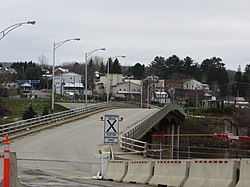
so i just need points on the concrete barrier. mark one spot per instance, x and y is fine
(14, 181)
(170, 172)
(244, 173)
(117, 170)
(213, 173)
(140, 171)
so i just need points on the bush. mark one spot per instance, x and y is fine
(45, 111)
(29, 113)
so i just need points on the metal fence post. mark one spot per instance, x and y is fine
(145, 154)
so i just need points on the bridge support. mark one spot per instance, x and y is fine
(165, 146)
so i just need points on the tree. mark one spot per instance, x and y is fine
(246, 80)
(27, 70)
(91, 73)
(174, 67)
(102, 68)
(29, 113)
(138, 71)
(5, 77)
(42, 59)
(240, 86)
(190, 69)
(116, 67)
(157, 67)
(109, 64)
(214, 73)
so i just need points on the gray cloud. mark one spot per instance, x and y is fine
(139, 29)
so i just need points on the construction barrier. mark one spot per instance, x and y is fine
(244, 173)
(6, 174)
(170, 172)
(13, 178)
(117, 170)
(140, 171)
(213, 173)
(1, 166)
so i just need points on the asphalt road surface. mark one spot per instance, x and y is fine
(65, 155)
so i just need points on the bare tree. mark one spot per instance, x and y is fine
(42, 59)
(5, 77)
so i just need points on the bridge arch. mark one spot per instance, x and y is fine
(166, 131)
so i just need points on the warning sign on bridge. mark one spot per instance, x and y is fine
(111, 129)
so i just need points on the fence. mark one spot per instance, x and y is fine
(24, 125)
(161, 151)
(129, 141)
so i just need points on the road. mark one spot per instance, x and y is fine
(65, 155)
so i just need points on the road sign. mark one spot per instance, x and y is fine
(111, 129)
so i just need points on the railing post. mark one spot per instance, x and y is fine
(145, 154)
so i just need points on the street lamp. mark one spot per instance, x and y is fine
(108, 81)
(55, 46)
(12, 27)
(86, 72)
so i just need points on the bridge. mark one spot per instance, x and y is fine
(44, 147)
(63, 149)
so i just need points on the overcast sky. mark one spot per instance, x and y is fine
(139, 29)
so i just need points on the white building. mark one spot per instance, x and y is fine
(195, 85)
(68, 82)
(160, 97)
(118, 86)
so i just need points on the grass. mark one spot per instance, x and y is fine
(16, 107)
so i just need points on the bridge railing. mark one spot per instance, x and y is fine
(25, 125)
(129, 139)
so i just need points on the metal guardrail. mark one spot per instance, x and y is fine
(24, 125)
(129, 139)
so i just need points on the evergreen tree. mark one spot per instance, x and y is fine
(110, 65)
(214, 73)
(174, 67)
(116, 68)
(246, 80)
(102, 68)
(240, 84)
(138, 71)
(158, 67)
(29, 113)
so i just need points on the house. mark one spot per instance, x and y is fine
(68, 82)
(118, 87)
(59, 71)
(193, 84)
(7, 70)
(160, 97)
(126, 90)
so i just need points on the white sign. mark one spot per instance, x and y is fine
(111, 129)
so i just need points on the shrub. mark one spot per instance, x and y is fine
(29, 113)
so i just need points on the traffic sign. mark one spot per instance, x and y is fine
(111, 129)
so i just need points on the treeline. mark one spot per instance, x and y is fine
(211, 71)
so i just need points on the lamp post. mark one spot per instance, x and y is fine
(12, 27)
(108, 79)
(55, 46)
(86, 72)
(141, 91)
